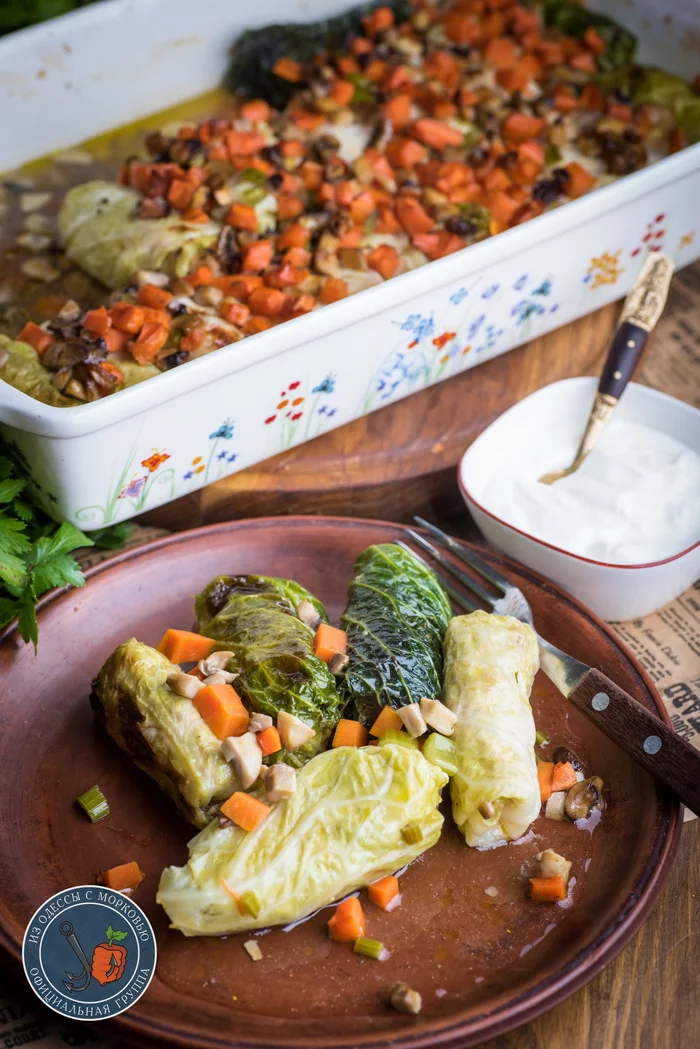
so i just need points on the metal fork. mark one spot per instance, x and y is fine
(643, 735)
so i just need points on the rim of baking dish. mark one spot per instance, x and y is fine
(26, 413)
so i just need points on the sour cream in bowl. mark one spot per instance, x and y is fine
(623, 532)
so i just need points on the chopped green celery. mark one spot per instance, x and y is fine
(250, 903)
(440, 751)
(254, 196)
(472, 137)
(541, 739)
(552, 154)
(371, 949)
(403, 739)
(94, 804)
(254, 175)
(412, 833)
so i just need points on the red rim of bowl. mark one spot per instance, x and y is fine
(491, 1023)
(466, 494)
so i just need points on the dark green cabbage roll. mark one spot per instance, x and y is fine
(161, 731)
(395, 620)
(256, 618)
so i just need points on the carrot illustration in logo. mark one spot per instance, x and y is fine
(109, 959)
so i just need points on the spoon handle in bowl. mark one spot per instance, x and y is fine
(643, 735)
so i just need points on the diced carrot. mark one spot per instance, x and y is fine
(125, 876)
(461, 27)
(96, 321)
(398, 110)
(256, 111)
(360, 45)
(347, 65)
(362, 206)
(619, 111)
(501, 205)
(242, 216)
(501, 52)
(548, 890)
(374, 70)
(34, 335)
(202, 275)
(193, 338)
(518, 127)
(545, 770)
(342, 91)
(378, 21)
(497, 178)
(116, 341)
(151, 295)
(126, 317)
(298, 257)
(267, 302)
(311, 174)
(305, 119)
(241, 285)
(49, 306)
(269, 740)
(437, 245)
(329, 641)
(222, 710)
(257, 324)
(584, 62)
(243, 143)
(348, 921)
(442, 65)
(384, 259)
(184, 646)
(292, 147)
(550, 51)
(352, 238)
(333, 289)
(258, 256)
(565, 101)
(444, 110)
(397, 77)
(388, 223)
(180, 194)
(286, 276)
(349, 734)
(436, 134)
(580, 180)
(387, 720)
(563, 776)
(288, 69)
(149, 341)
(413, 216)
(110, 366)
(235, 312)
(531, 150)
(246, 812)
(385, 890)
(289, 207)
(494, 23)
(405, 152)
(303, 304)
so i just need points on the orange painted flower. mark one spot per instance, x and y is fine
(154, 461)
(441, 340)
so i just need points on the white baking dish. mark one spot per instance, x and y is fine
(614, 592)
(111, 63)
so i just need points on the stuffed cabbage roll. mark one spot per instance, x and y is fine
(490, 665)
(342, 829)
(101, 232)
(162, 732)
(256, 618)
(395, 621)
(21, 367)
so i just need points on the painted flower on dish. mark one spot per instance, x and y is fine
(458, 296)
(604, 269)
(224, 433)
(441, 341)
(653, 236)
(154, 461)
(326, 385)
(133, 489)
(489, 292)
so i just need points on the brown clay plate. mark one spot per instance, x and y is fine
(483, 964)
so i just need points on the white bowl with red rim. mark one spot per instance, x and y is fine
(615, 592)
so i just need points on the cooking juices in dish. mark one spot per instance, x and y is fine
(635, 499)
(366, 146)
(314, 758)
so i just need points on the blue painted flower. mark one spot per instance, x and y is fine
(475, 325)
(232, 458)
(134, 488)
(326, 385)
(544, 288)
(410, 322)
(424, 328)
(458, 296)
(221, 455)
(225, 432)
(588, 278)
(331, 413)
(188, 476)
(520, 283)
(490, 291)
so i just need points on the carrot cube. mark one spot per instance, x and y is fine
(385, 890)
(388, 720)
(269, 741)
(222, 709)
(125, 876)
(329, 641)
(349, 734)
(184, 646)
(246, 812)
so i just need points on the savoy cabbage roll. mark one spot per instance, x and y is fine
(339, 831)
(395, 621)
(490, 666)
(102, 233)
(21, 367)
(256, 617)
(162, 732)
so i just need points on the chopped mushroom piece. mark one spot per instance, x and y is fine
(413, 720)
(33, 201)
(405, 1000)
(552, 864)
(438, 716)
(308, 614)
(215, 661)
(583, 797)
(293, 732)
(253, 949)
(40, 268)
(259, 722)
(338, 663)
(185, 685)
(280, 782)
(220, 677)
(555, 809)
(245, 754)
(487, 810)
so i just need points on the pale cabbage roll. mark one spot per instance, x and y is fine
(102, 233)
(490, 665)
(340, 831)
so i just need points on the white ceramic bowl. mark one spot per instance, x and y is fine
(615, 592)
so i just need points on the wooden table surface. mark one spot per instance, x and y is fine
(648, 997)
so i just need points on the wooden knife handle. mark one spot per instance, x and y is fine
(643, 735)
(623, 356)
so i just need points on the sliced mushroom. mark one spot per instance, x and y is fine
(413, 720)
(555, 809)
(487, 809)
(352, 259)
(293, 732)
(405, 1000)
(219, 677)
(259, 722)
(326, 255)
(245, 754)
(552, 865)
(70, 312)
(338, 663)
(280, 782)
(217, 661)
(33, 201)
(185, 685)
(208, 295)
(583, 797)
(40, 268)
(151, 277)
(438, 716)
(308, 614)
